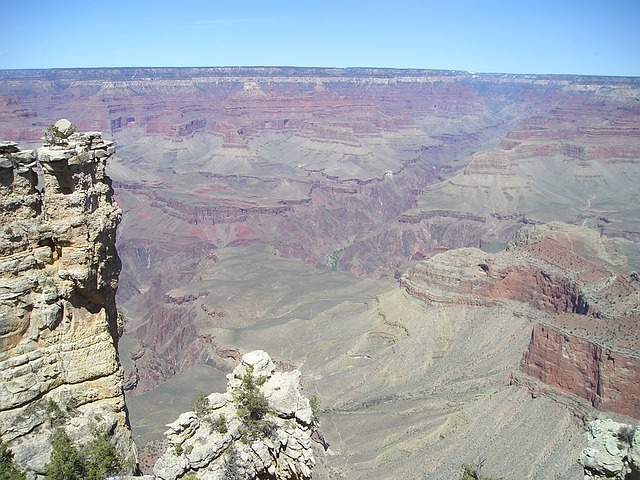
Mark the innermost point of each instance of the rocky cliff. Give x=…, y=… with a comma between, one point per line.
x=587, y=341
x=607, y=377
x=233, y=435
x=59, y=270
x=556, y=268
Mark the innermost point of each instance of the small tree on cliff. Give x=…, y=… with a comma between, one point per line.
x=67, y=463
x=253, y=407
x=94, y=461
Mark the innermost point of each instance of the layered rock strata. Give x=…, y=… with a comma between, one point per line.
x=59, y=270
x=587, y=342
x=556, y=268
x=217, y=443
x=607, y=378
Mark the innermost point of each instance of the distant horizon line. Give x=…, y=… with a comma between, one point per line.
x=320, y=68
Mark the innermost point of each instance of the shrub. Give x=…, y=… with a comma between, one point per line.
x=252, y=404
x=66, y=461
x=201, y=405
x=55, y=414
x=96, y=460
x=220, y=424
x=8, y=470
x=253, y=407
x=233, y=466
x=314, y=403
x=625, y=434
x=178, y=449
x=103, y=459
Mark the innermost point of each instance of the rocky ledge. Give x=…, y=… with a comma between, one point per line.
x=260, y=427
x=605, y=376
x=555, y=268
x=58, y=278
x=613, y=451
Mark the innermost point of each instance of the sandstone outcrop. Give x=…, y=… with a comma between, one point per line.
x=613, y=451
x=221, y=441
x=556, y=268
x=59, y=270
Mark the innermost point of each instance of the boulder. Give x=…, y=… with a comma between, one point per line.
x=612, y=451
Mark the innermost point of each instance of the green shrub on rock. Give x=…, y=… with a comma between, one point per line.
x=8, y=470
x=55, y=414
x=201, y=405
x=96, y=460
x=253, y=407
x=252, y=404
x=220, y=424
x=67, y=463
x=103, y=459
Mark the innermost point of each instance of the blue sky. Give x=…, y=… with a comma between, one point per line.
x=508, y=36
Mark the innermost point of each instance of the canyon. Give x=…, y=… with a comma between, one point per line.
x=450, y=259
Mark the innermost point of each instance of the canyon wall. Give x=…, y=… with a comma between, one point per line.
x=607, y=378
x=59, y=269
x=585, y=339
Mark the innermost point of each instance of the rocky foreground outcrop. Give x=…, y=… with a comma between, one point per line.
x=613, y=451
x=228, y=437
x=59, y=270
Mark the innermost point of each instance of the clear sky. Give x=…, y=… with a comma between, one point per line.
x=597, y=37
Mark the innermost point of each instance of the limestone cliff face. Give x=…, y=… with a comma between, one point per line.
x=613, y=451
x=58, y=278
x=222, y=442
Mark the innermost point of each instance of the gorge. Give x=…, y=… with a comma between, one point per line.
x=450, y=259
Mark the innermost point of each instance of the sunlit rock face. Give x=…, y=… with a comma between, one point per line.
x=607, y=377
x=219, y=441
x=59, y=270
x=587, y=341
x=613, y=451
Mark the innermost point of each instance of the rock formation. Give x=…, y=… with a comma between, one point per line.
x=229, y=438
x=587, y=341
x=602, y=374
x=613, y=451
x=556, y=268
x=59, y=270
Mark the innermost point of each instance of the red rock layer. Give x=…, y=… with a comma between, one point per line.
x=610, y=380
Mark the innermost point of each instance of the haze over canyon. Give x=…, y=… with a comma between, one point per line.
x=450, y=259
